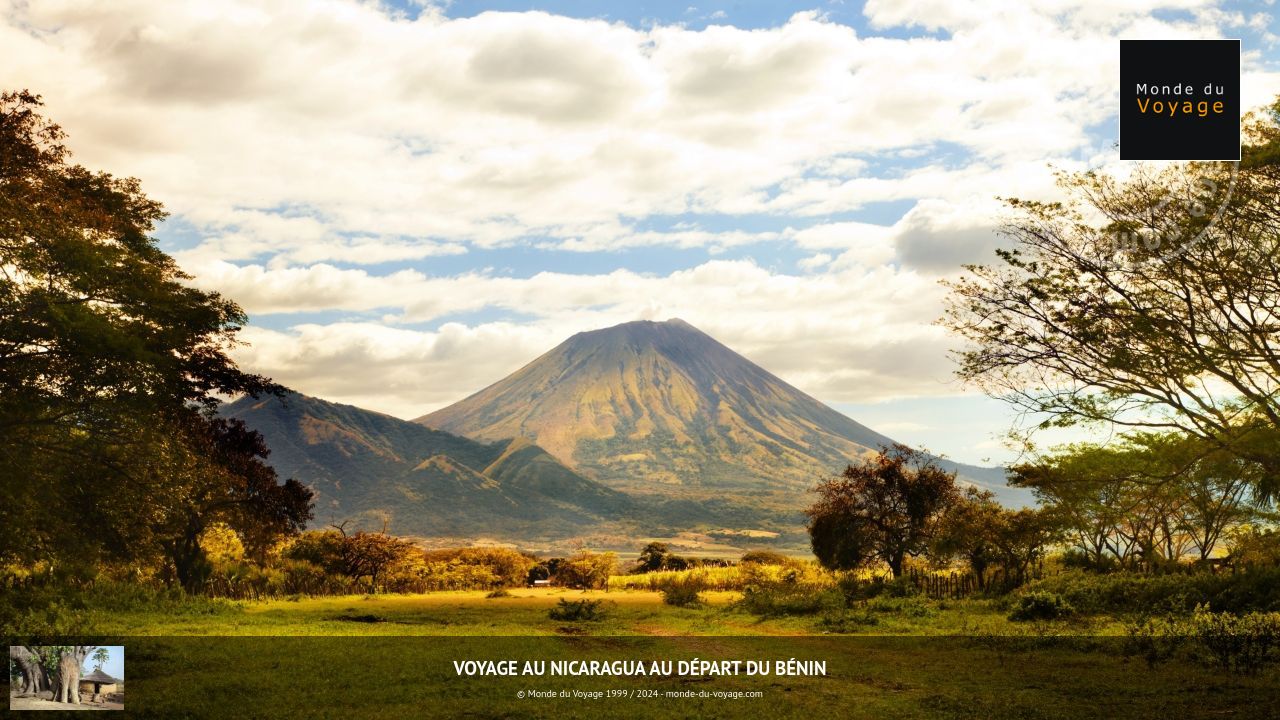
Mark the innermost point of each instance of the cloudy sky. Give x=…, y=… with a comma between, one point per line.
x=413, y=199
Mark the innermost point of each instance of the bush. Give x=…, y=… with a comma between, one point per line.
x=577, y=611
x=506, y=567
x=715, y=578
x=50, y=609
x=794, y=589
x=1237, y=643
x=773, y=601
x=845, y=621
x=1038, y=605
x=914, y=606
x=499, y=593
x=899, y=587
x=854, y=588
x=1155, y=639
x=683, y=591
x=765, y=557
x=1256, y=589
x=1080, y=560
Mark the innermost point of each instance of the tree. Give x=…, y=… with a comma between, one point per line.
x=52, y=667
x=1145, y=499
x=216, y=474
x=1085, y=489
x=1020, y=538
x=356, y=555
x=367, y=554
x=587, y=570
x=883, y=510
x=968, y=530
x=35, y=676
x=986, y=535
x=221, y=543
x=654, y=556
x=1215, y=489
x=66, y=687
x=1162, y=315
x=111, y=369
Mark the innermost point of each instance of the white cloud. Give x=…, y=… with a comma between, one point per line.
x=856, y=335
x=301, y=139
x=815, y=262
x=506, y=126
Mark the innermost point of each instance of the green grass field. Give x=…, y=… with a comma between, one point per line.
x=392, y=656
x=627, y=612
x=866, y=678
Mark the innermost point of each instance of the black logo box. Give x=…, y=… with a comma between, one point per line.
x=1186, y=68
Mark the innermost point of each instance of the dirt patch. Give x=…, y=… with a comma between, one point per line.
x=29, y=702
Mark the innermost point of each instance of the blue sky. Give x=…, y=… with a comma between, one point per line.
x=413, y=200
x=114, y=666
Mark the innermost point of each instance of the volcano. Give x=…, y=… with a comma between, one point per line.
x=662, y=408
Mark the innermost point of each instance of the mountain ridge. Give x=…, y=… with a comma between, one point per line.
x=370, y=467
x=663, y=408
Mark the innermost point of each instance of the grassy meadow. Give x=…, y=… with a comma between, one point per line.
x=525, y=613
x=392, y=656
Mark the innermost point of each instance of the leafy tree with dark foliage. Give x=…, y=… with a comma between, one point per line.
x=968, y=531
x=885, y=510
x=111, y=366
x=653, y=557
x=985, y=534
x=224, y=479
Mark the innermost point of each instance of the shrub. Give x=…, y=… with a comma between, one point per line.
x=1256, y=589
x=772, y=601
x=1080, y=560
x=1155, y=639
x=899, y=587
x=499, y=593
x=1038, y=605
x=1238, y=643
x=714, y=578
x=914, y=606
x=853, y=588
x=1235, y=643
x=765, y=557
x=795, y=589
x=683, y=591
x=844, y=621
x=507, y=567
x=577, y=611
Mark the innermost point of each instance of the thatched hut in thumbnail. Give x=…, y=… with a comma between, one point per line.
x=98, y=683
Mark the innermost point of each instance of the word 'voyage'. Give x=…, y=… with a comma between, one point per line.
x=685, y=668
x=1180, y=107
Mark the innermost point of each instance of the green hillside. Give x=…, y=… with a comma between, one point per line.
x=368, y=467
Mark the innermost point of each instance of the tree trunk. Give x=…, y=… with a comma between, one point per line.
x=186, y=554
x=67, y=686
x=35, y=678
x=979, y=571
x=895, y=564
